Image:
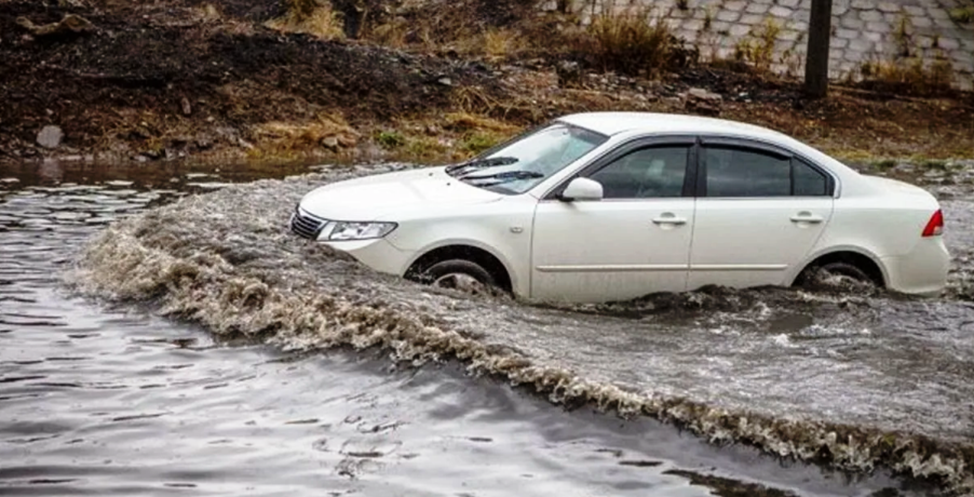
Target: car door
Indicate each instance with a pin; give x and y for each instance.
(760, 210)
(634, 241)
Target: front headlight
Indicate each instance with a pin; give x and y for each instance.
(348, 230)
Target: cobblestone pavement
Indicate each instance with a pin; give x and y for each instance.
(862, 30)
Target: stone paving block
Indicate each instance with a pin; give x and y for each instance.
(788, 35)
(728, 16)
(797, 25)
(720, 27)
(896, 19)
(739, 30)
(878, 27)
(861, 29)
(888, 7)
(856, 58)
(689, 35)
(727, 42)
(661, 5)
(757, 8)
(873, 36)
(735, 5)
(962, 58)
(751, 19)
(860, 45)
(850, 22)
(949, 43)
(915, 11)
(870, 15)
(926, 41)
(692, 25)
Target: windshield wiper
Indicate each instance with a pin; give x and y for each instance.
(480, 164)
(498, 178)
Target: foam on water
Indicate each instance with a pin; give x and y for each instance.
(790, 372)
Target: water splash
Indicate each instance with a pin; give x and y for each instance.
(226, 260)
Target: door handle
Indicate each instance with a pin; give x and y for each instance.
(806, 217)
(669, 220)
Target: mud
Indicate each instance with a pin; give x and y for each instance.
(855, 382)
(171, 80)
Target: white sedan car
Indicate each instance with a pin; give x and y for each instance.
(598, 207)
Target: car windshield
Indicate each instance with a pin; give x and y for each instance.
(520, 164)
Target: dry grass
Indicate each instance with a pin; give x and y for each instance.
(391, 34)
(328, 132)
(314, 17)
(910, 76)
(500, 42)
(757, 48)
(963, 14)
(464, 121)
(631, 42)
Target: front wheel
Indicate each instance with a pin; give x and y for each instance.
(459, 274)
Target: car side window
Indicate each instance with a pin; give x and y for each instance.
(735, 172)
(651, 172)
(808, 181)
(738, 172)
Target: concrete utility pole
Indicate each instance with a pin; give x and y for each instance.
(817, 55)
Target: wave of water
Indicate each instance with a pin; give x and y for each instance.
(855, 382)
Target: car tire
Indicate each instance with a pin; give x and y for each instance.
(812, 277)
(459, 274)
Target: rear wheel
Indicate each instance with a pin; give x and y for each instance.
(836, 274)
(459, 274)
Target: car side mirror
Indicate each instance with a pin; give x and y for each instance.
(582, 189)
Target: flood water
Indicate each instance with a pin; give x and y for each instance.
(205, 351)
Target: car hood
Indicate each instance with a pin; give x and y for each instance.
(379, 196)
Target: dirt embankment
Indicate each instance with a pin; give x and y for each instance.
(185, 78)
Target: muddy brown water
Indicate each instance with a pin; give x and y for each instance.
(162, 333)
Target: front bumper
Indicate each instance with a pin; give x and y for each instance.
(376, 253)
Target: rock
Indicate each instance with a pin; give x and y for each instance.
(330, 142)
(71, 24)
(445, 81)
(187, 109)
(569, 74)
(703, 102)
(50, 137)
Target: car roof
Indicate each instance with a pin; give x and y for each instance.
(611, 123)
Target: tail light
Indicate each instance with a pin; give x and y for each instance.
(935, 226)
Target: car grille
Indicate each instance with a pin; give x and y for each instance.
(306, 226)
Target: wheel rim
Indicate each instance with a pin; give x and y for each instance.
(459, 281)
